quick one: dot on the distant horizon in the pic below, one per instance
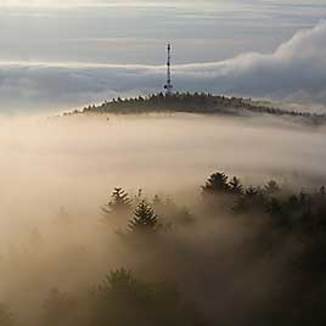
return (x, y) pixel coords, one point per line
(62, 56)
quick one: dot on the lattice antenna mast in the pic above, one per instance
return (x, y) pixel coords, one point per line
(168, 86)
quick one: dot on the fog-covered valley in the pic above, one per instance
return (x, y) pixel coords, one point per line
(58, 173)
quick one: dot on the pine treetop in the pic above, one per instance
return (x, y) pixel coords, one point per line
(119, 202)
(144, 218)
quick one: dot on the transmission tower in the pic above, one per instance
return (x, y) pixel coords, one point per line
(168, 86)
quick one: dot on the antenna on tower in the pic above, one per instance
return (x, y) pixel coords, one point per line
(168, 86)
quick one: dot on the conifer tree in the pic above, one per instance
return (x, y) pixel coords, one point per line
(235, 186)
(144, 218)
(120, 203)
(217, 182)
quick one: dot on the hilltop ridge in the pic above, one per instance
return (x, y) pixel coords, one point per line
(201, 103)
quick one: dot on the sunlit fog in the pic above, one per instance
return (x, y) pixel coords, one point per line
(162, 163)
(58, 172)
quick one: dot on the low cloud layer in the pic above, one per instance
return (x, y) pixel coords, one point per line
(296, 71)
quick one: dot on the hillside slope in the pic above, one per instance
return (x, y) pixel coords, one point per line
(194, 103)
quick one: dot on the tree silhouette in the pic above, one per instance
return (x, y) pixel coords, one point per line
(144, 218)
(138, 197)
(157, 202)
(123, 300)
(272, 187)
(235, 186)
(118, 282)
(120, 203)
(241, 205)
(217, 182)
(196, 102)
(276, 211)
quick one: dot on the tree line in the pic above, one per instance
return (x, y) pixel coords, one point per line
(194, 103)
(156, 227)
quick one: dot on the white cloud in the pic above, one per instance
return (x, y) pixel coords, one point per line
(296, 67)
(295, 71)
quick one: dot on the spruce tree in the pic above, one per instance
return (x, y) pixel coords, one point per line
(120, 203)
(235, 186)
(144, 218)
(217, 182)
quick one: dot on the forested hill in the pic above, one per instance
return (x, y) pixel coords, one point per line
(193, 103)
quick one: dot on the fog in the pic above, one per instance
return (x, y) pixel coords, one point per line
(56, 173)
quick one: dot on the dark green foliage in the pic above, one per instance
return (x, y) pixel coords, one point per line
(124, 300)
(235, 186)
(251, 198)
(219, 183)
(276, 211)
(195, 103)
(302, 211)
(119, 205)
(265, 267)
(118, 281)
(144, 219)
(6, 318)
(171, 215)
(216, 183)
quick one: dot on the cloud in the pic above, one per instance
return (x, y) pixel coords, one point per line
(296, 71)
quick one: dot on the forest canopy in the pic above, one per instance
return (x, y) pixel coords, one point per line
(204, 103)
(239, 253)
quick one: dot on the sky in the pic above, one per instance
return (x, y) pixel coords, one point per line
(63, 55)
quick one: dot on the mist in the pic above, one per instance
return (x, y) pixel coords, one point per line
(57, 173)
(88, 156)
